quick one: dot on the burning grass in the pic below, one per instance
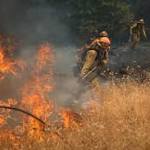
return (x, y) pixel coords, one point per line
(8, 64)
(119, 120)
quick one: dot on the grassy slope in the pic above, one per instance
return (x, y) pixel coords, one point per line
(121, 122)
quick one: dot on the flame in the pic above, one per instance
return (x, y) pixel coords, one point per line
(2, 120)
(8, 65)
(6, 113)
(35, 93)
(9, 135)
(123, 104)
(71, 119)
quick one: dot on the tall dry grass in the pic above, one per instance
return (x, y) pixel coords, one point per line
(120, 120)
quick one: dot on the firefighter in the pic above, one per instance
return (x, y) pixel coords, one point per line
(137, 29)
(94, 59)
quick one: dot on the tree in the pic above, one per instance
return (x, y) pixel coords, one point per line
(87, 16)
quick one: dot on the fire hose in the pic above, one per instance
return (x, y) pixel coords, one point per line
(23, 111)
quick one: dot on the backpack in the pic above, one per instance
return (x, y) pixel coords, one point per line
(81, 56)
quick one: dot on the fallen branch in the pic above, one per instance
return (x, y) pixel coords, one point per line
(23, 111)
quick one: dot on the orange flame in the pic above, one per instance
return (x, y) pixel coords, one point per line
(5, 113)
(71, 119)
(8, 65)
(35, 93)
(2, 120)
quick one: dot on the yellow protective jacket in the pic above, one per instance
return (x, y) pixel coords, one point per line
(96, 55)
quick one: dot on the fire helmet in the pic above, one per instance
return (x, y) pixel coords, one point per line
(105, 42)
(141, 21)
(103, 34)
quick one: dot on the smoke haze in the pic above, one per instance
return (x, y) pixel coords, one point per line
(33, 21)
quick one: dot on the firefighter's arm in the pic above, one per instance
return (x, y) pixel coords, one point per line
(130, 36)
(108, 49)
(131, 30)
(89, 61)
(93, 44)
(144, 33)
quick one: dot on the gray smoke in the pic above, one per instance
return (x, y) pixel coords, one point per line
(33, 21)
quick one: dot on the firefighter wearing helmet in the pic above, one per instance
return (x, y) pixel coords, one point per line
(137, 30)
(95, 57)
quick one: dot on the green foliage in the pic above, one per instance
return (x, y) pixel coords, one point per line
(87, 16)
(142, 9)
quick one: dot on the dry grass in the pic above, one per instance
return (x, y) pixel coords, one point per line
(119, 121)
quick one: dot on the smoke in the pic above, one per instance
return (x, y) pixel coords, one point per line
(37, 21)
(33, 21)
